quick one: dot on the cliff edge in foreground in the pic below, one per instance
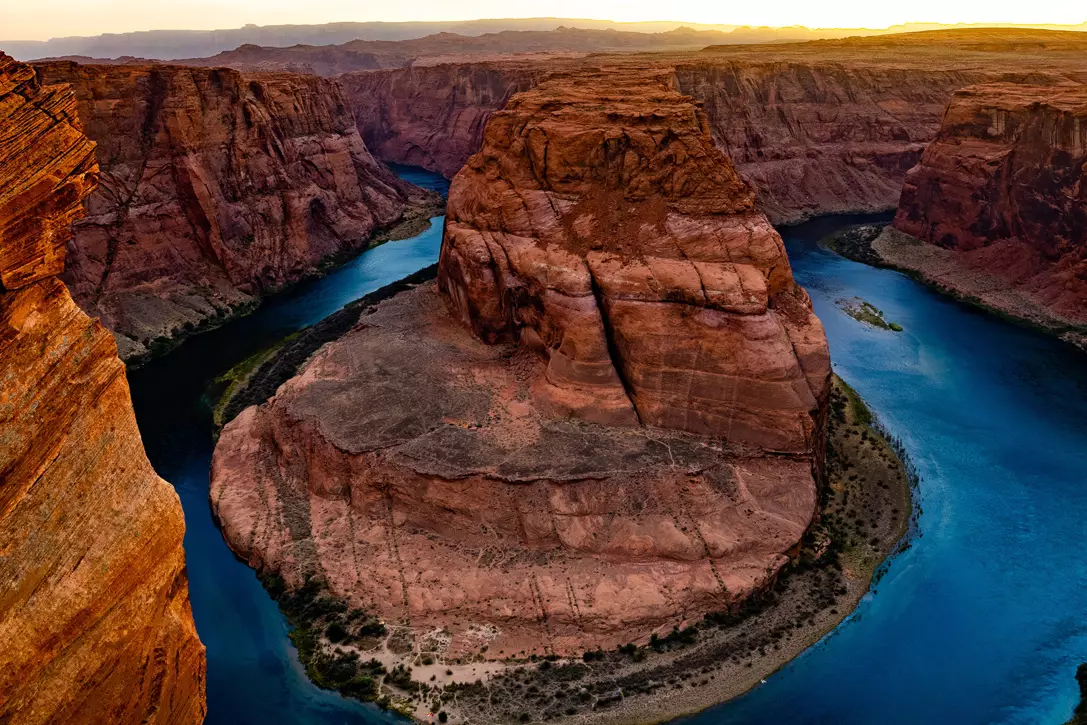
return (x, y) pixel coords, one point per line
(94, 607)
(606, 422)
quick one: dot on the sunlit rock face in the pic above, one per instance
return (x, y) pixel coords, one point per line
(603, 420)
(216, 189)
(94, 607)
(1004, 185)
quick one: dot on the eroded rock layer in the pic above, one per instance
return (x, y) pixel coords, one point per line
(815, 128)
(601, 225)
(1004, 185)
(216, 188)
(94, 608)
(604, 422)
(432, 116)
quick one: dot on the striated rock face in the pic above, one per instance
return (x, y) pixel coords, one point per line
(822, 127)
(432, 116)
(1004, 185)
(94, 608)
(600, 225)
(821, 138)
(216, 188)
(604, 422)
(811, 138)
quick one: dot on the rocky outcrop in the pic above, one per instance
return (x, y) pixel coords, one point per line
(811, 138)
(94, 607)
(823, 127)
(605, 422)
(217, 188)
(1003, 187)
(432, 116)
(821, 138)
(675, 306)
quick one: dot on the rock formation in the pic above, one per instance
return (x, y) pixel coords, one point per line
(94, 607)
(675, 307)
(816, 128)
(606, 422)
(216, 188)
(821, 138)
(432, 116)
(1004, 187)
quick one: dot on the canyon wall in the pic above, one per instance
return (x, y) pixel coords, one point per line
(1003, 188)
(432, 116)
(94, 608)
(216, 188)
(812, 138)
(605, 419)
(821, 138)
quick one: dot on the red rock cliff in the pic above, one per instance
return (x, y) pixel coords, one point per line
(432, 116)
(216, 188)
(1004, 185)
(94, 608)
(815, 128)
(821, 138)
(609, 425)
(675, 306)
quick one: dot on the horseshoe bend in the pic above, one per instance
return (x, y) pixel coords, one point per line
(605, 419)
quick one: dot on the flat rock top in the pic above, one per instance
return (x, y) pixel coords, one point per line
(410, 377)
(1020, 97)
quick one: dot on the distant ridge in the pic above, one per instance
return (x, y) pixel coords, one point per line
(176, 44)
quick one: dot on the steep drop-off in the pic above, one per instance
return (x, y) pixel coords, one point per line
(1000, 199)
(216, 188)
(433, 116)
(816, 128)
(811, 137)
(606, 425)
(94, 609)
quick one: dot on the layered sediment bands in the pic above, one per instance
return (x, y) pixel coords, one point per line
(810, 137)
(216, 188)
(601, 225)
(822, 127)
(1004, 187)
(432, 116)
(821, 138)
(603, 423)
(94, 608)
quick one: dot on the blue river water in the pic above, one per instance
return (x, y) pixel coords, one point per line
(979, 621)
(254, 676)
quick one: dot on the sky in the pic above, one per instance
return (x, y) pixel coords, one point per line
(43, 19)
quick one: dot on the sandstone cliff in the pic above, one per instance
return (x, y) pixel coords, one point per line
(821, 127)
(216, 188)
(1003, 187)
(432, 116)
(811, 138)
(609, 425)
(821, 138)
(94, 608)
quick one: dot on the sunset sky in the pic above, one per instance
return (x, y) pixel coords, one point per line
(42, 19)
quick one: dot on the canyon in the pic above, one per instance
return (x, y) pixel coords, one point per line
(821, 127)
(216, 188)
(605, 419)
(94, 608)
(1000, 201)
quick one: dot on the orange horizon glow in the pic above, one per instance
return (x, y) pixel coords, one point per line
(44, 19)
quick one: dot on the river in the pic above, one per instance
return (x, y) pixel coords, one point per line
(979, 621)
